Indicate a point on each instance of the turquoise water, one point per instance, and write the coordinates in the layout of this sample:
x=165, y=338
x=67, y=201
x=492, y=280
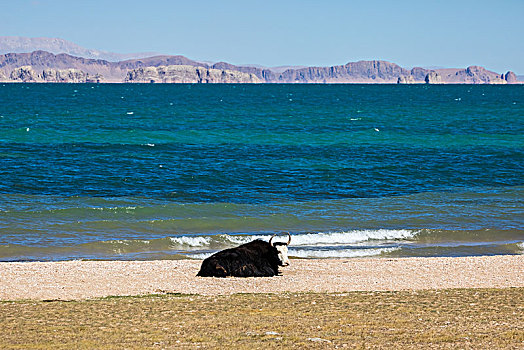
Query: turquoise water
x=118, y=171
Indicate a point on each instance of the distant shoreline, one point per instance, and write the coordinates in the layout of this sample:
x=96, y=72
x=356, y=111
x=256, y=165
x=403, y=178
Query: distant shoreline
x=265, y=83
x=43, y=66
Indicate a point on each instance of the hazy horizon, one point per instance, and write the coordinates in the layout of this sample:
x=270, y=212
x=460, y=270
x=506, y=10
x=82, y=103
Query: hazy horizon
x=291, y=33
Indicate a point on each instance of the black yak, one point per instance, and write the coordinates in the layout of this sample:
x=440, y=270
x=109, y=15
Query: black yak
x=254, y=259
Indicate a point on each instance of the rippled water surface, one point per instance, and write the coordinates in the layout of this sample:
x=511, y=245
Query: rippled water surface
x=118, y=171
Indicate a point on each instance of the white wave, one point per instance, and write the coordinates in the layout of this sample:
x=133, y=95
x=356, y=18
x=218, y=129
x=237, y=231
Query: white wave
x=191, y=241
x=200, y=256
x=221, y=239
x=112, y=208
x=306, y=239
x=338, y=253
x=244, y=239
x=521, y=246
x=348, y=237
x=127, y=242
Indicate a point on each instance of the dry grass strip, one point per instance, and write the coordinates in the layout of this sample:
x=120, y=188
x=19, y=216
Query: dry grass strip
x=441, y=319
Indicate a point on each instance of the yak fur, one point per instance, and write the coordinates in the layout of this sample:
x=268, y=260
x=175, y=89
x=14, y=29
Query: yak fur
x=254, y=259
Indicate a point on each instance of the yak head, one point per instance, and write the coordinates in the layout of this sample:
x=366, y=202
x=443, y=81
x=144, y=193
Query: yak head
x=281, y=248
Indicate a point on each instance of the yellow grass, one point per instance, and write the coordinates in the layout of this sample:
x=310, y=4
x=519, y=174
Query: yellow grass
x=449, y=319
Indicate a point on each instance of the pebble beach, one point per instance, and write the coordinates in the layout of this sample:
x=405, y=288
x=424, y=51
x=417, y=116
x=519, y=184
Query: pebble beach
x=77, y=280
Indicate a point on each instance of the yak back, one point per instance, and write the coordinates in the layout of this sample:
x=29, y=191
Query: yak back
x=254, y=259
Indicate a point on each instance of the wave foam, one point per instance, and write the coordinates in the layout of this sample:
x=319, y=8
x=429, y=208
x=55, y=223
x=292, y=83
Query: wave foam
x=339, y=253
x=306, y=239
x=191, y=241
x=349, y=237
x=199, y=256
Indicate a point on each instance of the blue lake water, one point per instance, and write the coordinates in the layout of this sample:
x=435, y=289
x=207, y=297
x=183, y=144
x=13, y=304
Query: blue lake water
x=145, y=171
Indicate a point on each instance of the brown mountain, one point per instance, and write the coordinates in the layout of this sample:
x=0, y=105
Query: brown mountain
x=42, y=66
x=353, y=72
x=189, y=74
x=110, y=71
x=264, y=74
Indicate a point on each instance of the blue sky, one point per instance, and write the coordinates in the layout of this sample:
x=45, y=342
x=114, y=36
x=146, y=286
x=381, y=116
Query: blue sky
x=411, y=33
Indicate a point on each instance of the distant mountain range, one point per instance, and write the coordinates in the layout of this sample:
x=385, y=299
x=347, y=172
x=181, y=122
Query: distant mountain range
x=77, y=64
x=20, y=44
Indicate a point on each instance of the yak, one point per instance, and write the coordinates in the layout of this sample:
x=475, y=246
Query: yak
x=254, y=259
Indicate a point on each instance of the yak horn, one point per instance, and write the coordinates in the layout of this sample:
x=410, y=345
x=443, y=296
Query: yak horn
x=288, y=241
x=271, y=244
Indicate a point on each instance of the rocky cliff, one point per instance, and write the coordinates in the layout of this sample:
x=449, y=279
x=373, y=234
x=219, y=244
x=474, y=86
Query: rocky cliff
x=27, y=74
x=433, y=78
x=24, y=74
x=68, y=76
x=474, y=75
x=188, y=74
x=353, y=72
x=31, y=67
x=42, y=60
x=263, y=74
x=470, y=75
x=511, y=78
x=403, y=79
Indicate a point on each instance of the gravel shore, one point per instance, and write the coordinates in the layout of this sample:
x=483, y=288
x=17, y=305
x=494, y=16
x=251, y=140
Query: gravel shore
x=70, y=280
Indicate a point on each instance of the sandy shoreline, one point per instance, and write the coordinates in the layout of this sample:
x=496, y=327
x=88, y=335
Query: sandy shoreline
x=91, y=279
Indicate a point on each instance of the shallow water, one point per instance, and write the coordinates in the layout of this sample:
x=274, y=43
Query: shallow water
x=95, y=171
